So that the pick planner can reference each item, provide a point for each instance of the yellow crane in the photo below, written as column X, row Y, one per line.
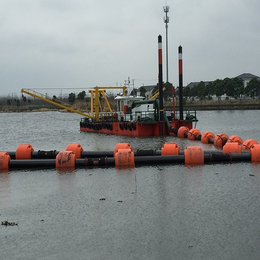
column 156, row 94
column 49, row 100
column 94, row 97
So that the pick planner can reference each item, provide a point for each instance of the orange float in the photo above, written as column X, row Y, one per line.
column 24, row 151
column 181, row 131
column 235, row 139
column 220, row 140
column 4, row 160
column 76, row 149
column 65, row 159
column 248, row 144
column 122, row 146
column 255, row 153
column 232, row 148
column 193, row 133
column 206, row 136
column 194, row 155
column 124, row 158
column 170, row 149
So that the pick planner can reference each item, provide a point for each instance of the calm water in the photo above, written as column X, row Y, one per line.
column 152, row 212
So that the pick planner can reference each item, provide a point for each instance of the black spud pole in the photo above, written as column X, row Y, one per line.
column 180, row 83
column 160, row 77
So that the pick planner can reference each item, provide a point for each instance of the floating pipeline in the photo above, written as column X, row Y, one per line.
column 232, row 144
column 25, row 151
column 219, row 140
column 124, row 156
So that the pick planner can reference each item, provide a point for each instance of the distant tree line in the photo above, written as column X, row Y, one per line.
column 14, row 101
column 231, row 87
column 72, row 98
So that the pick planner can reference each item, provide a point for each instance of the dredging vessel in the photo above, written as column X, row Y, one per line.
column 138, row 117
column 134, row 116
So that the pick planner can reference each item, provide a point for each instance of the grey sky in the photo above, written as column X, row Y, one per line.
column 82, row 44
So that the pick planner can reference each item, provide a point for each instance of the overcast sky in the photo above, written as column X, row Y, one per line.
column 77, row 44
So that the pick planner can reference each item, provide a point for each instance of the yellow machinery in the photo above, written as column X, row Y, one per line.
column 156, row 94
column 94, row 96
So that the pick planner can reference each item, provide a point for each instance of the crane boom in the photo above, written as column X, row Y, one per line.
column 49, row 100
column 156, row 94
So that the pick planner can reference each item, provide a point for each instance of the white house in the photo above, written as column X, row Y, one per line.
column 246, row 77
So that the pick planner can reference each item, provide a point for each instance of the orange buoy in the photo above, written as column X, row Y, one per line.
column 248, row 144
column 24, row 151
column 4, row 160
column 122, row 146
column 192, row 133
column 181, row 131
column 255, row 153
column 206, row 136
column 124, row 158
column 232, row 148
column 235, row 139
column 76, row 149
column 65, row 159
column 194, row 155
column 220, row 140
column 170, row 149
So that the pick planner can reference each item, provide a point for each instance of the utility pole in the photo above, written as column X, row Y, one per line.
column 166, row 21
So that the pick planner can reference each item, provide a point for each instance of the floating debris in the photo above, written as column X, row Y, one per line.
column 102, row 199
column 119, row 201
column 251, row 174
column 7, row 223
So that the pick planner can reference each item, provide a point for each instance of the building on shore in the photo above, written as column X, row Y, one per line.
column 245, row 77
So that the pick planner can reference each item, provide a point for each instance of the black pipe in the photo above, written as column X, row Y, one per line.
column 166, row 159
column 97, row 154
column 211, row 140
column 139, row 160
column 35, row 163
column 147, row 152
column 218, row 152
column 227, row 157
column 102, row 161
column 198, row 137
column 44, row 154
column 12, row 155
column 109, row 154
column 174, row 130
column 39, row 154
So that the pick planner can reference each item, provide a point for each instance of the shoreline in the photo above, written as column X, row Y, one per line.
column 188, row 105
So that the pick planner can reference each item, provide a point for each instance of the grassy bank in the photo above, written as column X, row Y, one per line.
column 188, row 105
column 232, row 104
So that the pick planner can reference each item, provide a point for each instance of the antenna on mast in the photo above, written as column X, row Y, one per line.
column 166, row 21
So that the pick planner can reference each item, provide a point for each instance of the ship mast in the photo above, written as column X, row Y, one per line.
column 166, row 21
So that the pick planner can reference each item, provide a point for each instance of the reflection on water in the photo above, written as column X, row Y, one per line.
column 148, row 212
column 4, row 183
